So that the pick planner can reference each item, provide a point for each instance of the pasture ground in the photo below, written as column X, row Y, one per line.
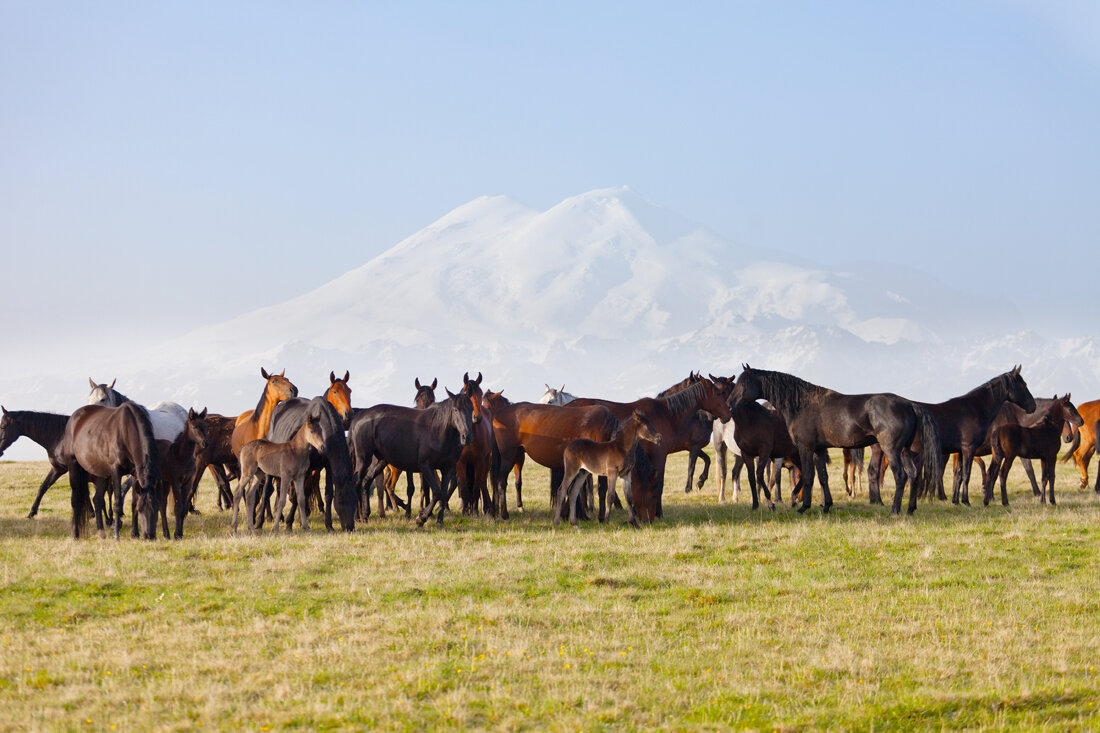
column 715, row 618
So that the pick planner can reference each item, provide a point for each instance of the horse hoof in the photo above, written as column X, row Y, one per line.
column 504, row 514
column 802, row 509
column 771, row 506
column 825, row 509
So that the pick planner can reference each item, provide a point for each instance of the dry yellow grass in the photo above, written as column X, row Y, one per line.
column 715, row 618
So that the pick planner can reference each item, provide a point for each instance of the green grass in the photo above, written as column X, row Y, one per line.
column 715, row 618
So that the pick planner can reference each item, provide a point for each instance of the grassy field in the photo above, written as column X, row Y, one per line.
column 715, row 618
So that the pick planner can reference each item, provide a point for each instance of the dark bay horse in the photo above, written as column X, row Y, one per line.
column 178, row 460
column 218, row 457
column 254, row 424
column 409, row 439
column 286, row 418
column 541, row 432
column 609, row 459
column 105, row 444
column 476, row 460
column 673, row 417
column 762, row 437
column 387, row 481
column 1040, row 440
column 819, row 418
column 964, row 424
column 45, row 428
column 697, row 438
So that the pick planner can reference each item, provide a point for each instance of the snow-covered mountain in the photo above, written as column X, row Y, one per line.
column 608, row 294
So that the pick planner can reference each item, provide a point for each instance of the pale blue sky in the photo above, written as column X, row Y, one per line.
column 179, row 163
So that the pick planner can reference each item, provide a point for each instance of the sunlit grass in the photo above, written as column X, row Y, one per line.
column 715, row 618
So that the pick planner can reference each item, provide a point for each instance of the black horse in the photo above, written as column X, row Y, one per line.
column 964, row 426
column 45, row 428
column 286, row 419
column 819, row 418
column 410, row 439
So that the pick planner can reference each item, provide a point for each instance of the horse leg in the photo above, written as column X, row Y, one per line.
column 429, row 483
column 821, row 458
column 162, row 491
column 1004, row 477
column 285, row 484
column 299, row 482
column 566, row 493
column 50, row 480
column 912, row 470
column 1082, row 459
column 691, row 470
column 897, row 468
column 964, row 462
column 181, row 505
column 750, row 464
column 720, row 456
column 79, row 499
column 875, row 475
column 806, row 458
column 706, row 469
column 735, row 472
column 242, row 486
column 330, row 493
column 775, row 481
column 517, row 469
column 1030, row 471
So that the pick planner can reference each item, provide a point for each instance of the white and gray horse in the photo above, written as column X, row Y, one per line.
column 168, row 418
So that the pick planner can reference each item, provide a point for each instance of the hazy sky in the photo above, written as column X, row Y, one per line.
column 164, row 165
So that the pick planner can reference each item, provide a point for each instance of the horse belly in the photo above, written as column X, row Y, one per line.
column 545, row 451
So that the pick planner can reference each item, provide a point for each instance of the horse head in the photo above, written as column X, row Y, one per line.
column 646, row 431
column 104, row 394
column 712, row 401
column 1069, row 412
column 425, row 395
column 471, row 389
column 460, row 415
column 724, row 385
column 312, row 429
column 278, row 387
column 195, row 428
column 747, row 388
column 339, row 394
column 1018, row 393
column 9, row 432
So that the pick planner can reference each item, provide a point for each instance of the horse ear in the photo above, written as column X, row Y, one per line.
column 434, row 383
column 417, row 382
column 332, row 377
column 562, row 387
column 466, row 378
column 282, row 373
column 347, row 375
column 264, row 374
column 451, row 394
column 91, row 382
column 203, row 413
column 191, row 413
column 478, row 380
column 112, row 384
column 4, row 409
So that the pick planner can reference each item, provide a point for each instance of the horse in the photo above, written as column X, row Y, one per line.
column 104, row 444
column 819, row 418
column 288, row 461
column 476, row 460
column 964, row 424
column 218, row 457
column 556, row 397
column 254, row 424
column 286, row 418
column 387, row 482
column 761, row 433
column 541, row 431
column 723, row 441
column 412, row 440
column 697, row 438
column 178, row 461
column 854, row 470
column 1084, row 441
column 338, row 395
column 610, row 459
column 1011, row 413
column 673, row 417
column 1011, row 441
column 45, row 428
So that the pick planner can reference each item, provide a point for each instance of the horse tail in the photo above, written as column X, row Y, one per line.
column 1074, row 445
column 148, row 466
column 81, row 501
column 931, row 451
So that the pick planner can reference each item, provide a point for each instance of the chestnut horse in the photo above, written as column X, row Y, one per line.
column 254, row 424
column 1040, row 440
column 673, row 417
column 105, row 444
column 609, row 459
column 1084, row 441
column 541, row 432
column 819, row 418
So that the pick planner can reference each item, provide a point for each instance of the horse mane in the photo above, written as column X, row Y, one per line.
column 260, row 405
column 44, row 422
column 145, row 433
column 786, row 392
column 685, row 399
column 998, row 386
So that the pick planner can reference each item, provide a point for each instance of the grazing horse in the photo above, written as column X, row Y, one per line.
column 1084, row 440
column 338, row 395
column 610, row 459
column 45, row 428
column 1011, row 441
column 541, row 432
column 104, row 444
column 167, row 418
column 964, row 424
column 286, row 418
column 696, row 440
column 254, row 424
column 289, row 462
column 412, row 440
column 673, row 417
column 819, row 418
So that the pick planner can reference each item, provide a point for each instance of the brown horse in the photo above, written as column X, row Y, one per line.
column 673, row 417
column 254, row 424
column 387, row 482
column 541, row 432
column 697, row 438
column 476, row 460
column 105, row 444
column 338, row 395
column 610, row 459
column 288, row 462
column 1084, row 441
column 178, row 461
column 218, row 457
column 1012, row 441
column 762, row 437
column 45, row 428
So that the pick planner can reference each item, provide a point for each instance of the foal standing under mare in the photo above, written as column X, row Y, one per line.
column 609, row 459
column 819, row 418
column 1011, row 441
column 964, row 424
column 289, row 462
column 105, row 444
column 45, row 428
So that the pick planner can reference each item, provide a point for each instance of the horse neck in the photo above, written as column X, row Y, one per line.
column 300, row 442
column 43, row 428
column 264, row 415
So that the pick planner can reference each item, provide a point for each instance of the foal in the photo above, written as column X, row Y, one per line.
column 288, row 462
column 611, row 459
column 1040, row 441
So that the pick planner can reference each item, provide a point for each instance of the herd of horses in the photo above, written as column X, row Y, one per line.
column 475, row 439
